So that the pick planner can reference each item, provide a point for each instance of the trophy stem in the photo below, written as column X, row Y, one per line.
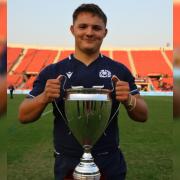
column 86, row 169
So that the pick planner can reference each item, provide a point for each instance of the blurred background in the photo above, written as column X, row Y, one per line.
column 3, row 91
column 176, row 97
column 176, row 43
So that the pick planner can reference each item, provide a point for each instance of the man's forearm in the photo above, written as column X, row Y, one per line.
column 31, row 109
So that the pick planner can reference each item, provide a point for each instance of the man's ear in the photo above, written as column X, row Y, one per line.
column 106, row 31
column 72, row 29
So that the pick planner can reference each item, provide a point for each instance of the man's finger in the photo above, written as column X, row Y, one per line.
column 121, row 86
column 122, row 83
column 60, row 77
column 115, row 78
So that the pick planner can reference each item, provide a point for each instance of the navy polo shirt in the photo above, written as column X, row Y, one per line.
column 98, row 73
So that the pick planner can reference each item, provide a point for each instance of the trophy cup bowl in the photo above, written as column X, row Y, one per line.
column 87, row 114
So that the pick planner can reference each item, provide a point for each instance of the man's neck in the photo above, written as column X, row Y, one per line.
column 85, row 57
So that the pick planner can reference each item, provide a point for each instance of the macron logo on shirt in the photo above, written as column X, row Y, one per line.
column 104, row 73
column 69, row 74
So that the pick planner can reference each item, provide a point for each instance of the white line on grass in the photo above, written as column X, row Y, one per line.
column 47, row 112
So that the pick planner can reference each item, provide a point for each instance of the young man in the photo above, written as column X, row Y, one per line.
column 87, row 68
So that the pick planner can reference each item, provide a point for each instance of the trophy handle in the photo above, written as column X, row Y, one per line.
column 58, row 107
column 65, row 120
column 112, row 83
column 111, row 119
column 64, row 81
column 113, row 90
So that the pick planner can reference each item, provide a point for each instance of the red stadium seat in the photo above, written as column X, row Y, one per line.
column 65, row 53
column 12, row 56
column 169, row 54
column 122, row 57
column 148, row 62
column 105, row 53
column 29, row 83
column 28, row 57
column 15, row 80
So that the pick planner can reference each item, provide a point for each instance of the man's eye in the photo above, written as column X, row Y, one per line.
column 97, row 28
column 82, row 27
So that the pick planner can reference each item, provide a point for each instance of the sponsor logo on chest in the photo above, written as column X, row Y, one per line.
column 69, row 74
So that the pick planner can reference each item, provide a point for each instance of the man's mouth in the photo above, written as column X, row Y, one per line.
column 89, row 40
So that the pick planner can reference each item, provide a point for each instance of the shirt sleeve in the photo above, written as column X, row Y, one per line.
column 39, row 83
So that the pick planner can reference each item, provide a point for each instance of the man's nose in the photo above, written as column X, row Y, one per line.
column 89, row 31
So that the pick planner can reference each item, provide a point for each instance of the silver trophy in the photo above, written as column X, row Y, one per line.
column 87, row 113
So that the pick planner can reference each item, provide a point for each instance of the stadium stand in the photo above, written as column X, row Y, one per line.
column 167, row 84
column 52, row 56
column 169, row 54
column 122, row 57
column 40, row 59
column 12, row 56
column 152, row 68
column 15, row 79
column 155, row 84
column 106, row 53
column 149, row 62
column 66, row 53
column 28, row 57
column 29, row 83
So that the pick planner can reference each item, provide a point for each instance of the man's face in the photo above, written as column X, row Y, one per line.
column 89, row 31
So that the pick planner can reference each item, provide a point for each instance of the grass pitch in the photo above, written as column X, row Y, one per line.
column 147, row 146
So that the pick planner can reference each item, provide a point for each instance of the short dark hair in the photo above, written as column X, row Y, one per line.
column 91, row 8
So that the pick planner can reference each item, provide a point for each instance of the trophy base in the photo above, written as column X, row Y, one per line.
column 86, row 169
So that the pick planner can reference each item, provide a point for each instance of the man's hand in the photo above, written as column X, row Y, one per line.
column 31, row 108
column 134, row 104
column 121, row 89
column 52, row 89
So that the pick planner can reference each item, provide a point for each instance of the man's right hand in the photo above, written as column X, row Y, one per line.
column 52, row 89
column 31, row 109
